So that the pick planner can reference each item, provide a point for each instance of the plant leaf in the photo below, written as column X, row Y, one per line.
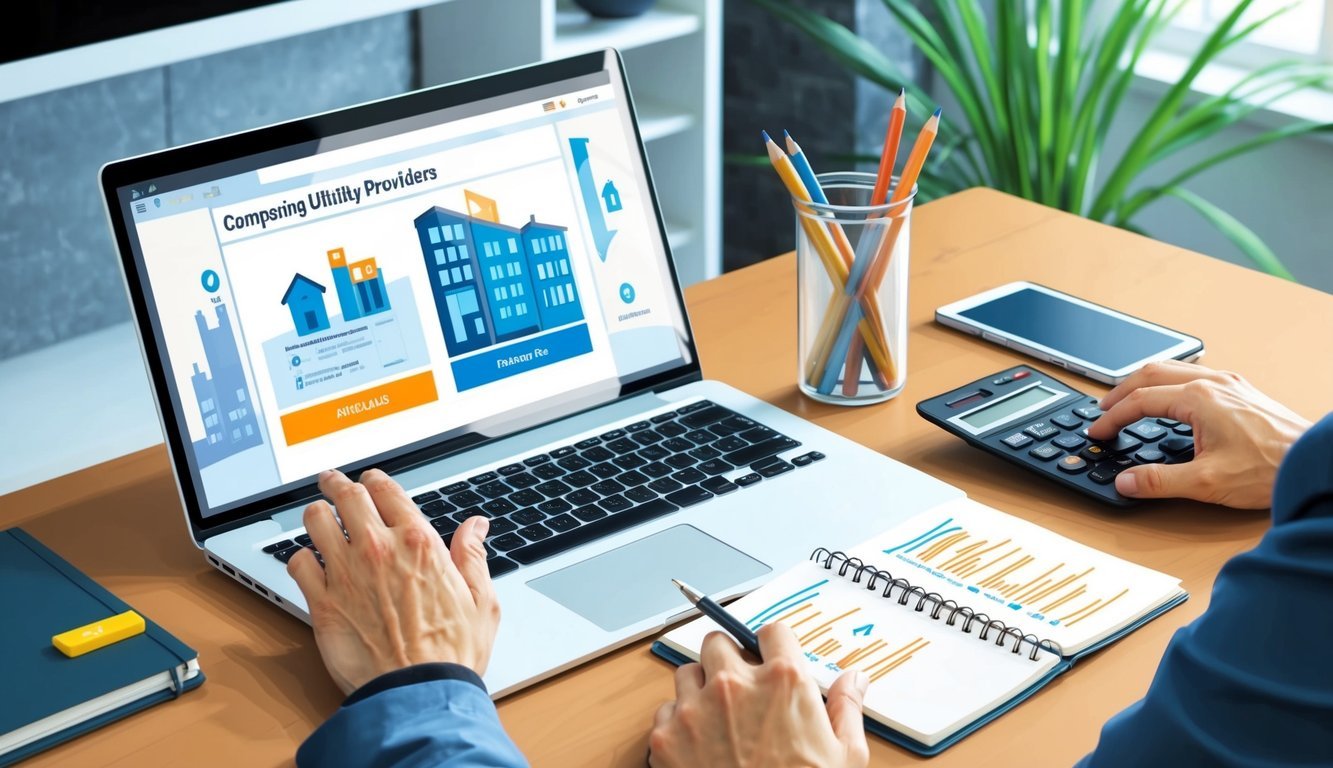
column 1239, row 234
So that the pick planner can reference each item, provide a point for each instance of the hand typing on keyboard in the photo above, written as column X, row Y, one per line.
column 391, row 594
column 1240, row 434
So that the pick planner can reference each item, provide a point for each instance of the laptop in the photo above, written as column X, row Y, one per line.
column 471, row 288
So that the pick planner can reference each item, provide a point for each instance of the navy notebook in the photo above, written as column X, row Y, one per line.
column 48, row 697
column 956, row 615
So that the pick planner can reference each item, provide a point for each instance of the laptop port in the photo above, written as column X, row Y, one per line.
column 262, row 591
column 228, row 569
column 247, row 581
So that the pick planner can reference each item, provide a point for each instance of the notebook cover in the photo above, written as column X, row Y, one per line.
column 884, row 732
column 42, row 595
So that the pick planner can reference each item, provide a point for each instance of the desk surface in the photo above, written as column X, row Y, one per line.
column 121, row 521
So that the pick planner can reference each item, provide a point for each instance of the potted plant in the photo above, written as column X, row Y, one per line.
column 1038, row 82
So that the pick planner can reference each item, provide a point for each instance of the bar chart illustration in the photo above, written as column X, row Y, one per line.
column 839, row 637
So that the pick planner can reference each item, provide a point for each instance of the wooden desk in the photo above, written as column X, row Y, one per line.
column 267, row 689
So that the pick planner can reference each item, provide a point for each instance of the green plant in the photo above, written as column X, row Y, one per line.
column 1038, row 83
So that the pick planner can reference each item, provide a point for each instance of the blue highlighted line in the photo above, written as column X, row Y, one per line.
column 923, row 538
column 759, row 618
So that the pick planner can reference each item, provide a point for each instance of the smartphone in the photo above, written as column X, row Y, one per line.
column 1072, row 333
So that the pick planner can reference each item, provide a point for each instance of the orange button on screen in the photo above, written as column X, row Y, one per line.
column 359, row 407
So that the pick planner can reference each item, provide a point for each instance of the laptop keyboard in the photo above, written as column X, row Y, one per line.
column 549, row 503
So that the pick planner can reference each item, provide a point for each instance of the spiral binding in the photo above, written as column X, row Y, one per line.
column 939, row 605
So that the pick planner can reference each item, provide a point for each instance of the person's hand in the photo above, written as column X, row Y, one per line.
column 1240, row 434
column 731, row 712
column 390, row 594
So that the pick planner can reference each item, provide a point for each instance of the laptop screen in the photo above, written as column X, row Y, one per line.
column 470, row 270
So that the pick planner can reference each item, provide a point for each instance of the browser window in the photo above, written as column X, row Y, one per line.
column 382, row 293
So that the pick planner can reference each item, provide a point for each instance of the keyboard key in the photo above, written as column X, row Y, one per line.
column 718, row 485
column 1176, row 445
column 689, row 476
column 527, row 517
column 755, row 452
column 692, row 407
column 615, row 503
column 773, row 470
column 597, row 453
column 1183, row 429
column 510, row 469
column 730, row 443
column 464, row 514
column 700, row 436
column 1069, row 442
column 582, row 496
column 654, row 453
column 816, row 456
column 585, row 444
column 589, row 512
column 670, row 429
column 1072, row 464
column 498, row 507
column 718, row 466
column 705, row 453
column 534, row 532
column 677, row 445
column 562, row 523
column 285, row 555
column 563, row 452
column 592, row 531
column 656, row 469
column 623, row 445
column 303, row 540
column 1066, row 420
column 465, row 499
column 758, row 434
column 1150, row 456
column 555, row 506
column 680, row 461
column 533, row 461
column 483, row 478
column 507, row 542
column 1017, row 440
column 453, row 488
column 604, row 470
column 661, row 417
column 548, row 471
column 444, row 525
column 631, row 478
column 580, row 478
column 639, row 494
column 704, row 416
column 646, row 437
column 722, row 430
column 1041, row 430
column 629, row 461
column 422, row 498
column 614, row 434
column 526, row 498
column 501, row 526
column 553, row 489
column 689, row 496
column 572, row 463
column 1045, row 452
column 608, row 487
column 665, row 485
column 637, row 426
column 1147, row 431
column 1089, row 412
column 437, row 508
column 522, row 480
column 278, row 546
column 750, row 479
column 499, row 566
column 1103, row 475
column 494, row 490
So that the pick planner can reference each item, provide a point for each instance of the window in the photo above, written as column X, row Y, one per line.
column 559, row 241
column 564, row 266
column 1303, row 30
column 479, row 325
column 240, row 395
column 513, row 245
column 522, row 309
column 206, row 405
column 458, row 231
column 462, row 251
column 439, row 256
column 467, row 271
column 444, row 278
column 448, row 234
column 541, row 271
column 518, row 289
column 249, row 430
column 569, row 291
column 453, row 253
column 434, row 233
column 455, row 274
column 537, row 246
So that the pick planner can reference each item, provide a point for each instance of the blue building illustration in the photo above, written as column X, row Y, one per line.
column 230, row 423
column 611, row 197
column 556, row 295
column 305, row 300
column 359, row 285
column 494, row 283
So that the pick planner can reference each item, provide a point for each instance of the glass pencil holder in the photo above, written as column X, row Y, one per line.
column 851, row 289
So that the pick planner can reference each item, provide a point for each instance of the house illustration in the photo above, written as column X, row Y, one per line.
column 305, row 300
column 611, row 197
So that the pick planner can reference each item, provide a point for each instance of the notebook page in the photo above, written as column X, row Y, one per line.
column 927, row 679
column 1019, row 573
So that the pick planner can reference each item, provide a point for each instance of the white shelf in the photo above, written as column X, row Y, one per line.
column 577, row 32
column 658, row 120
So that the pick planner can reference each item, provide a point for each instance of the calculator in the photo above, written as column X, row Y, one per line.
column 1038, row 422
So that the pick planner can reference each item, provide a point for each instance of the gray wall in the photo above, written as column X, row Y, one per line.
column 61, row 274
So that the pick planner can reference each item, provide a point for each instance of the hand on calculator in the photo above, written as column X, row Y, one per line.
column 1240, row 434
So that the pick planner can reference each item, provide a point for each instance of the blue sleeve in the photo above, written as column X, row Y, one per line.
column 1250, row 682
column 427, row 715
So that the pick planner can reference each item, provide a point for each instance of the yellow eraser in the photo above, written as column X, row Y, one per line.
column 98, row 634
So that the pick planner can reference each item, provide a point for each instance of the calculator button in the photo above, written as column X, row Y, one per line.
column 1089, row 412
column 1094, row 452
column 1072, row 464
column 1123, row 444
column 1183, row 429
column 1067, row 420
column 1069, row 442
column 1018, row 375
column 1150, row 456
column 1103, row 475
column 1167, row 422
column 1045, row 452
column 1017, row 440
column 1174, row 445
column 1120, row 462
column 1041, row 430
column 1147, row 431
column 1002, row 380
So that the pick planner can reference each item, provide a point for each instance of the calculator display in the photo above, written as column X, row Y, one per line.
column 997, row 412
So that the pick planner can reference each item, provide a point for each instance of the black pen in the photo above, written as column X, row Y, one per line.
column 748, row 640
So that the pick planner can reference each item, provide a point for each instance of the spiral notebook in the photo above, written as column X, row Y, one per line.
column 956, row 615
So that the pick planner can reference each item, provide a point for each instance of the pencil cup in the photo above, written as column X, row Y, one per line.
column 852, row 292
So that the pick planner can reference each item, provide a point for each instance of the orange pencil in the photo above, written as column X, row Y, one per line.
column 889, row 156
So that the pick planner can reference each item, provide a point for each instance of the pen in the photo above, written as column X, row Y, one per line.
column 748, row 640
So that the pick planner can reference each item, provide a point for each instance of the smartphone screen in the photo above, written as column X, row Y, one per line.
column 1075, row 330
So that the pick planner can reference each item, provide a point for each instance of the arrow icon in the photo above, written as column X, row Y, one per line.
column 601, row 236
column 863, row 630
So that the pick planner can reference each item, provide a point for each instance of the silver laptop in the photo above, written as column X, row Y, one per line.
column 471, row 288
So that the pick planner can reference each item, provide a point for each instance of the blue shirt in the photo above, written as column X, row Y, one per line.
column 1249, row 683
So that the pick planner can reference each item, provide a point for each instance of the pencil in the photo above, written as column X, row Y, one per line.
column 889, row 156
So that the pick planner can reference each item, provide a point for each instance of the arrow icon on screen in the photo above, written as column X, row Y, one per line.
column 863, row 630
column 601, row 235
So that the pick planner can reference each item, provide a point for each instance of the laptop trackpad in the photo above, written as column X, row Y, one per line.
column 627, row 585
